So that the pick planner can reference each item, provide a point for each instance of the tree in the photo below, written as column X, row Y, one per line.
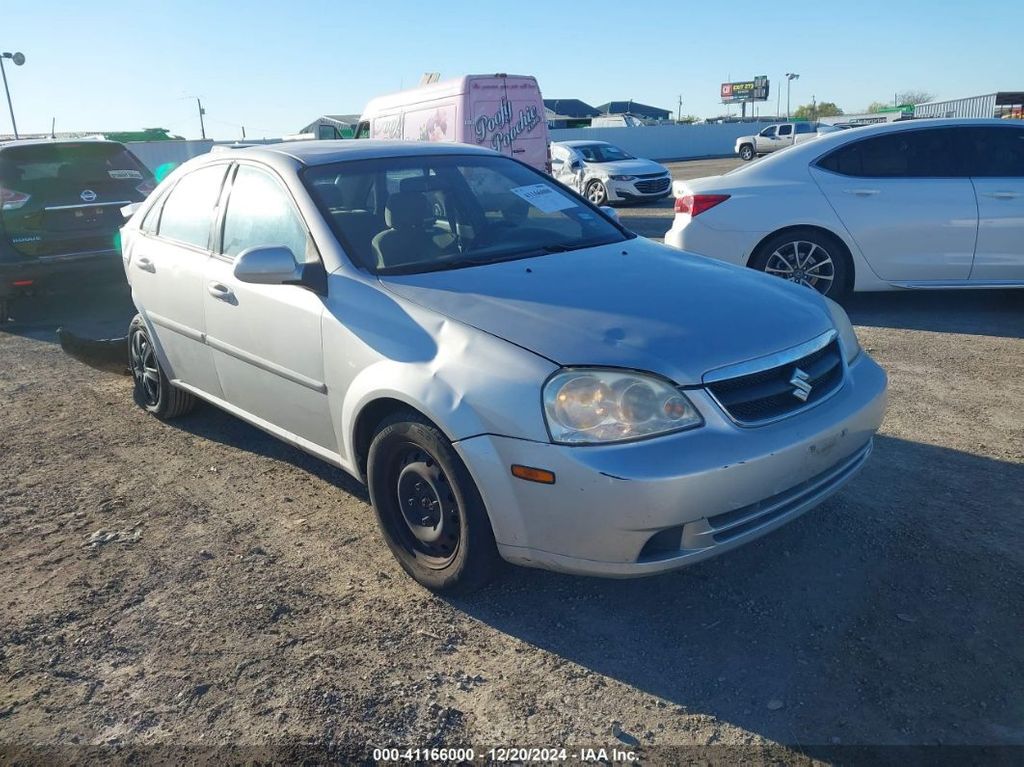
column 914, row 97
column 814, row 111
column 877, row 106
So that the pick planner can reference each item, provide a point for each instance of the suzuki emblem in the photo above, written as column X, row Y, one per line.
column 801, row 389
column 88, row 195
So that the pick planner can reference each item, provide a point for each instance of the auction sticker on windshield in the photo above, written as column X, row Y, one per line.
column 543, row 197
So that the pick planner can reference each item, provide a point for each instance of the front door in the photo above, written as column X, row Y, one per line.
column 266, row 339
column 900, row 197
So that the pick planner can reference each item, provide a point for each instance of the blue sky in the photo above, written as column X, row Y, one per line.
column 274, row 66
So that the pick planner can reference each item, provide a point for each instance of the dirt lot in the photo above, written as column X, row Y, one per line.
column 200, row 583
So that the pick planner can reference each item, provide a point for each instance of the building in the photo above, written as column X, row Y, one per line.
column 568, row 113
column 890, row 115
column 643, row 111
column 1001, row 104
column 332, row 126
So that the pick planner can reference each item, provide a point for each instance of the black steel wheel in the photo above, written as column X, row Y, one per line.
column 428, row 507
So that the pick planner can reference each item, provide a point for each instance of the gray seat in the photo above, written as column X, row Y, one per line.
column 411, row 236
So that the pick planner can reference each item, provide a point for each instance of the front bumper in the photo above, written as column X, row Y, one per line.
column 628, row 191
column 60, row 273
column 651, row 506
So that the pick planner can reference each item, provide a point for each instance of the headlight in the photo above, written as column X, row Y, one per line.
column 847, row 337
column 622, row 178
column 590, row 406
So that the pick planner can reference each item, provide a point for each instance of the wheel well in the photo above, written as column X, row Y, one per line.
column 804, row 228
column 367, row 421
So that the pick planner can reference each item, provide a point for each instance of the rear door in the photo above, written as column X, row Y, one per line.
column 785, row 135
column 507, row 115
column 64, row 199
column 166, row 262
column 902, row 198
column 993, row 156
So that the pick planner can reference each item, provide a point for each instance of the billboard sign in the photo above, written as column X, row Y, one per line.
column 748, row 90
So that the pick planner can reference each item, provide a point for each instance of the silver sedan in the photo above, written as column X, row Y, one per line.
column 512, row 373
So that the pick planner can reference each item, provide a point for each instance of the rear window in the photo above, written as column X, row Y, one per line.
column 56, row 165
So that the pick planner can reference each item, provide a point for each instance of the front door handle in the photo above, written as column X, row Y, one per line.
column 862, row 192
column 217, row 290
column 1002, row 195
column 145, row 264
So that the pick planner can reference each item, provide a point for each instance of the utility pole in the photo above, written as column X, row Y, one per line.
column 202, row 126
column 18, row 59
column 679, row 114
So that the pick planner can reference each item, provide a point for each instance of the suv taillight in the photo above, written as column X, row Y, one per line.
column 146, row 187
column 12, row 200
column 695, row 204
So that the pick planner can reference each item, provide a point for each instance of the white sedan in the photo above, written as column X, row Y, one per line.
column 916, row 204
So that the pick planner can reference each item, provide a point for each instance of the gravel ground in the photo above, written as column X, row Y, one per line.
column 199, row 583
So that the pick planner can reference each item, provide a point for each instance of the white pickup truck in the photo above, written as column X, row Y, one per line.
column 778, row 137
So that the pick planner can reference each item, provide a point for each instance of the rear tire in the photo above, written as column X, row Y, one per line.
column 808, row 257
column 747, row 153
column 428, row 507
column 153, row 391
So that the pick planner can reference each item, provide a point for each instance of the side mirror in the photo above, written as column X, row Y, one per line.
column 276, row 265
column 610, row 212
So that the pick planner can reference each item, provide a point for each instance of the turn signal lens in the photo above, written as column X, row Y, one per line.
column 531, row 474
column 695, row 204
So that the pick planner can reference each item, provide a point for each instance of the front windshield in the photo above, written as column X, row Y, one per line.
column 602, row 153
column 403, row 215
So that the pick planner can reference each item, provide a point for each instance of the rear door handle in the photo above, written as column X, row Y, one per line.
column 862, row 192
column 217, row 290
column 1002, row 195
column 145, row 264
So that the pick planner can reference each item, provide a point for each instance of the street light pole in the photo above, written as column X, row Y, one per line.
column 790, row 77
column 18, row 59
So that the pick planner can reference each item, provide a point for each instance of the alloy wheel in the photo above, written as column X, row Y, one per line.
column 805, row 263
column 144, row 368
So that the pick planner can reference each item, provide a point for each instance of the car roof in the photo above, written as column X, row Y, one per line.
column 53, row 142
column 581, row 142
column 323, row 152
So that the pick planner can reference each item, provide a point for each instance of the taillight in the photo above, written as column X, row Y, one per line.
column 146, row 187
column 12, row 200
column 695, row 204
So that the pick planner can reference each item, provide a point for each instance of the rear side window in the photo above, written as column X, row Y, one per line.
column 785, row 130
column 260, row 213
column 906, row 154
column 994, row 152
column 188, row 210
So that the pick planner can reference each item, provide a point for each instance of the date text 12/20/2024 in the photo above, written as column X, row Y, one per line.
column 506, row 754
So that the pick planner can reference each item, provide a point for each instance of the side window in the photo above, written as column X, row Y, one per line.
column 785, row 130
column 903, row 154
column 995, row 152
column 189, row 207
column 769, row 132
column 260, row 213
column 149, row 223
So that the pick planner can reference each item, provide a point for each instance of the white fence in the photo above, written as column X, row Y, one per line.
column 657, row 142
column 668, row 142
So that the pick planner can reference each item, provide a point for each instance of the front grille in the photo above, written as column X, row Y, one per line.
column 651, row 175
column 653, row 186
column 770, row 394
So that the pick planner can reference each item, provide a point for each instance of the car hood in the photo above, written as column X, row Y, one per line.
column 635, row 304
column 633, row 167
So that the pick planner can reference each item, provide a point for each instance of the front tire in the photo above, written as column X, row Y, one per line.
column 428, row 507
column 747, row 153
column 597, row 193
column 807, row 257
column 153, row 391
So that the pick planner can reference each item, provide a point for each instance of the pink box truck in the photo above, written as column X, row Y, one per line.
column 501, row 112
